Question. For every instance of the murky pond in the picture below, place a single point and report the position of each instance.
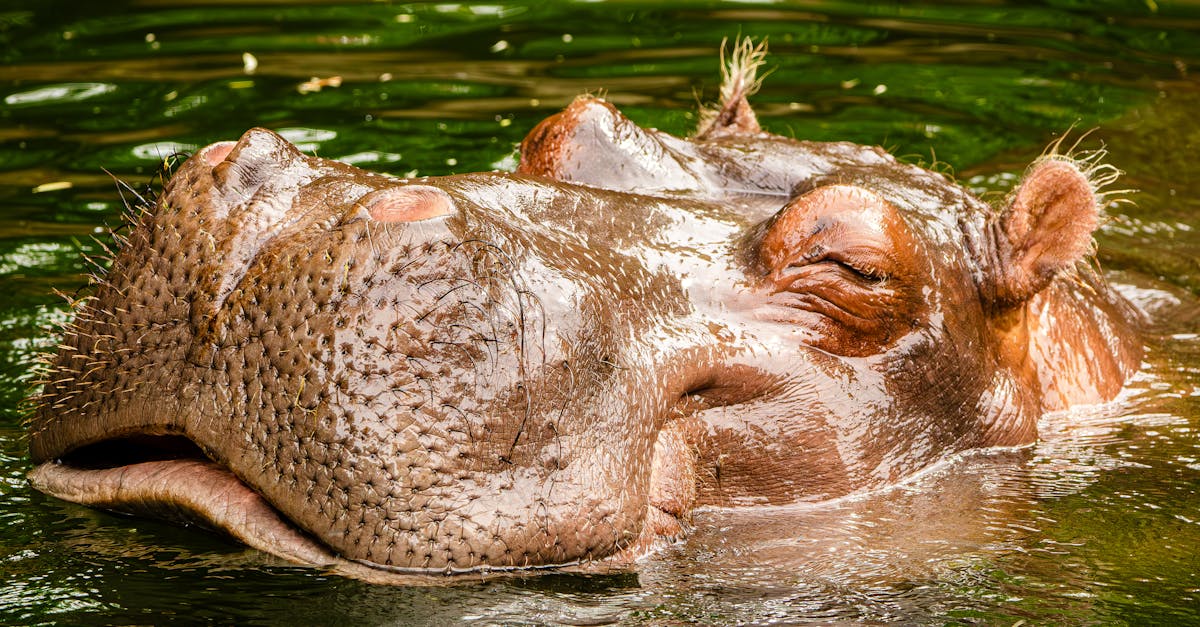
(1099, 522)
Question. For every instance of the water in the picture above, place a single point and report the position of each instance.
(1097, 523)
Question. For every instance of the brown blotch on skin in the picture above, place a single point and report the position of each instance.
(543, 149)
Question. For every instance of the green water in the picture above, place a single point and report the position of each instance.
(1097, 524)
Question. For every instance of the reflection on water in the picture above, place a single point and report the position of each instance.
(1098, 522)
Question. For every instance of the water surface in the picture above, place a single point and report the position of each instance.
(1097, 523)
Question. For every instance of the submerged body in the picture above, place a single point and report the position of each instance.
(493, 371)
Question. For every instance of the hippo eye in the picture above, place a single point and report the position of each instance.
(865, 272)
(843, 266)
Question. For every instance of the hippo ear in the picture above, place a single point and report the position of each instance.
(1046, 229)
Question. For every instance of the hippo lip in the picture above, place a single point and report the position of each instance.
(167, 476)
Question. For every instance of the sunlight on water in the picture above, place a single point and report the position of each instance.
(44, 96)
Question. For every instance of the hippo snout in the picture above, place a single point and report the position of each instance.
(361, 360)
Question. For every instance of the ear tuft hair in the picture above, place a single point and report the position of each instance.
(732, 115)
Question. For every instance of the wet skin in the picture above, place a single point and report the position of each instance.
(491, 371)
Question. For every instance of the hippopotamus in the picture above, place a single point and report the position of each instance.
(553, 367)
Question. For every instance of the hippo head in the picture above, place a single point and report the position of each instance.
(496, 371)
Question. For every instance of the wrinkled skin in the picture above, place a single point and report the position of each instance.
(493, 371)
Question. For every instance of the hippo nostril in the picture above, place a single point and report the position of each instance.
(408, 203)
(257, 156)
(214, 154)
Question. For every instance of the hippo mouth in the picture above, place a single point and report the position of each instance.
(169, 477)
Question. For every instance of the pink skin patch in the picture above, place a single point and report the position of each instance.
(408, 203)
(216, 153)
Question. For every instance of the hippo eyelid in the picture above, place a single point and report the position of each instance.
(870, 272)
(867, 272)
(868, 276)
